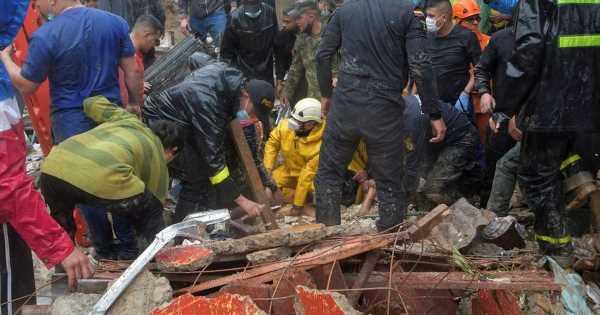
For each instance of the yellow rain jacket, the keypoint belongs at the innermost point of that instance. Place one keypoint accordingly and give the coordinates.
(300, 159)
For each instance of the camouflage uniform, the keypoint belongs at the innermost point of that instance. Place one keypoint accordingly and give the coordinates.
(304, 66)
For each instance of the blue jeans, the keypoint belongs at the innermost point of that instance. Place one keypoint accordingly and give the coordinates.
(213, 24)
(71, 122)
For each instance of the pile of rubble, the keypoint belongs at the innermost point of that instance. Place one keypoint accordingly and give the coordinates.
(452, 260)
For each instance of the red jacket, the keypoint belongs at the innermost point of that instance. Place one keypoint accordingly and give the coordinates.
(21, 205)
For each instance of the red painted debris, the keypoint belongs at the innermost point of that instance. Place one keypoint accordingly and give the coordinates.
(496, 302)
(287, 288)
(259, 293)
(223, 304)
(315, 302)
(184, 257)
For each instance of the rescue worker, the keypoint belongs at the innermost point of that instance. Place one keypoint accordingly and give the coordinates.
(284, 43)
(367, 102)
(120, 166)
(204, 104)
(80, 53)
(453, 49)
(298, 139)
(249, 44)
(303, 65)
(466, 13)
(492, 68)
(551, 108)
(26, 224)
(249, 40)
(145, 35)
(452, 170)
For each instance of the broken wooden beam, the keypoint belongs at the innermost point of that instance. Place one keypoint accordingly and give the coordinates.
(328, 254)
(363, 275)
(253, 178)
(513, 281)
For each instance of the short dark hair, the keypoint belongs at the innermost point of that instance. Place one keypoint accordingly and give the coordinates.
(149, 22)
(170, 134)
(444, 5)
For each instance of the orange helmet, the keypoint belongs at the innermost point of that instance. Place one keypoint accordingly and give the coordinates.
(463, 9)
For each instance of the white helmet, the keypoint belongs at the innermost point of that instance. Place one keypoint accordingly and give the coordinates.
(308, 109)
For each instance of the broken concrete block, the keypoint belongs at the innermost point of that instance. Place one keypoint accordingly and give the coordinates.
(285, 290)
(74, 304)
(184, 258)
(222, 304)
(460, 227)
(259, 293)
(315, 302)
(269, 255)
(144, 294)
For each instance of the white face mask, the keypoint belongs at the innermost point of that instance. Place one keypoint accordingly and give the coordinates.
(431, 24)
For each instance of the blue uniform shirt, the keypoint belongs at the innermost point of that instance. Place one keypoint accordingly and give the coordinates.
(79, 52)
(11, 18)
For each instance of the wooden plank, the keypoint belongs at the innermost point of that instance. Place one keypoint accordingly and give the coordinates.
(363, 275)
(328, 254)
(254, 181)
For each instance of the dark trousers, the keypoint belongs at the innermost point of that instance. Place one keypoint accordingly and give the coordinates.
(542, 181)
(455, 173)
(144, 211)
(504, 181)
(495, 147)
(362, 112)
(16, 271)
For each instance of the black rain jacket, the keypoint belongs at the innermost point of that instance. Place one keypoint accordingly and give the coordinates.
(554, 73)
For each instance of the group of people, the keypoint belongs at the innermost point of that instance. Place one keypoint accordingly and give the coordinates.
(384, 94)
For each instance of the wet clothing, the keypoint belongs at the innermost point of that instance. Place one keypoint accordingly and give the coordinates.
(490, 77)
(367, 102)
(505, 179)
(452, 57)
(204, 104)
(541, 61)
(116, 160)
(130, 10)
(415, 143)
(490, 72)
(199, 9)
(300, 159)
(249, 44)
(550, 46)
(143, 210)
(79, 53)
(542, 182)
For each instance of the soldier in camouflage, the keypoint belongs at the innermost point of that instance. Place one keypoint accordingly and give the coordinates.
(303, 62)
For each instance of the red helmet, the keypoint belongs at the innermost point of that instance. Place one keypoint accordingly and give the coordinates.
(463, 9)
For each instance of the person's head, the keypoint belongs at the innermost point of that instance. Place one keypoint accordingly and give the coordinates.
(146, 33)
(309, 15)
(305, 117)
(466, 13)
(252, 8)
(439, 15)
(48, 9)
(171, 136)
(289, 19)
(90, 3)
(257, 99)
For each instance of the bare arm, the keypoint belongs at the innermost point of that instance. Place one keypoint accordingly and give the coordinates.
(24, 86)
(133, 80)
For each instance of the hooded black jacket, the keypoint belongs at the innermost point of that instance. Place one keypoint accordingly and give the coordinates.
(205, 102)
(249, 44)
(554, 73)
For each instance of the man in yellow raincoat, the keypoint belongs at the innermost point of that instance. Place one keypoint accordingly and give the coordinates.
(298, 139)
